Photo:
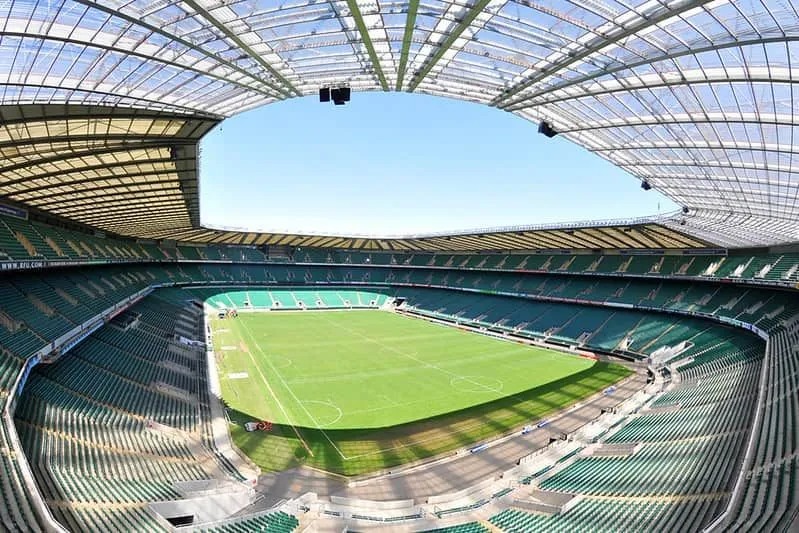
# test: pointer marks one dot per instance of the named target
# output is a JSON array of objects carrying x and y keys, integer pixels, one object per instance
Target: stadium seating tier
[{"x": 64, "y": 414}]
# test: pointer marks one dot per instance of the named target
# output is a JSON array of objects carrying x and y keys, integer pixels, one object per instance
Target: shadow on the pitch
[{"x": 390, "y": 446}]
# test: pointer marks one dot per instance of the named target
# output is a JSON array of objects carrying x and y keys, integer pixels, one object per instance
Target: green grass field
[{"x": 358, "y": 391}]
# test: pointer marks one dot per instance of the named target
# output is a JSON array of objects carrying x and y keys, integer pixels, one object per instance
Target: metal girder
[
  {"x": 632, "y": 66},
  {"x": 646, "y": 87},
  {"x": 127, "y": 230},
  {"x": 155, "y": 211},
  {"x": 149, "y": 103},
  {"x": 694, "y": 145},
  {"x": 78, "y": 170},
  {"x": 131, "y": 53},
  {"x": 188, "y": 44},
  {"x": 657, "y": 121},
  {"x": 100, "y": 137},
  {"x": 106, "y": 203},
  {"x": 456, "y": 32},
  {"x": 571, "y": 57},
  {"x": 407, "y": 37},
  {"x": 67, "y": 155},
  {"x": 287, "y": 88},
  {"x": 176, "y": 234},
  {"x": 55, "y": 195},
  {"x": 367, "y": 42},
  {"x": 707, "y": 164}
]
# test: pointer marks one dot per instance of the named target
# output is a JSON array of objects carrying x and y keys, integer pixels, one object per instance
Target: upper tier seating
[{"x": 41, "y": 241}]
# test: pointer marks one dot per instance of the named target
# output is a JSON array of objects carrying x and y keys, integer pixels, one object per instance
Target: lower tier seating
[
  {"x": 86, "y": 421},
  {"x": 470, "y": 527},
  {"x": 687, "y": 458},
  {"x": 771, "y": 482},
  {"x": 277, "y": 522},
  {"x": 609, "y": 516}
]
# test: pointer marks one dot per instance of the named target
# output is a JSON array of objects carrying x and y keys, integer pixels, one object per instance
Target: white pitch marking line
[
  {"x": 366, "y": 374},
  {"x": 297, "y": 400},
  {"x": 453, "y": 383},
  {"x": 329, "y": 404},
  {"x": 394, "y": 405},
  {"x": 412, "y": 358},
  {"x": 266, "y": 382}
]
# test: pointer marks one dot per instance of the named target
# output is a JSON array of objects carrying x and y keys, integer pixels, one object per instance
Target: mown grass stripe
[{"x": 406, "y": 389}]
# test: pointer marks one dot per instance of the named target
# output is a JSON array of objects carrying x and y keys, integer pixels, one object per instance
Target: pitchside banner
[
  {"x": 28, "y": 265},
  {"x": 13, "y": 211},
  {"x": 22, "y": 265}
]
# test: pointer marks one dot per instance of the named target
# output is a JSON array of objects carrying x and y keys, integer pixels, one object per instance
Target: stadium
[{"x": 638, "y": 374}]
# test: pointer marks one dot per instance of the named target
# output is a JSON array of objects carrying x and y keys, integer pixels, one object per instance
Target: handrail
[{"x": 737, "y": 492}]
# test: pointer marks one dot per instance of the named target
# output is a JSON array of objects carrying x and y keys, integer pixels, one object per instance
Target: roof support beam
[
  {"x": 109, "y": 149},
  {"x": 221, "y": 238},
  {"x": 709, "y": 164},
  {"x": 598, "y": 73},
  {"x": 410, "y": 23},
  {"x": 178, "y": 234},
  {"x": 287, "y": 88},
  {"x": 665, "y": 121},
  {"x": 697, "y": 145},
  {"x": 122, "y": 51},
  {"x": 155, "y": 29},
  {"x": 82, "y": 191},
  {"x": 130, "y": 212},
  {"x": 367, "y": 42},
  {"x": 453, "y": 36},
  {"x": 147, "y": 102},
  {"x": 102, "y": 113},
  {"x": 106, "y": 203},
  {"x": 639, "y": 86},
  {"x": 125, "y": 227},
  {"x": 570, "y": 58},
  {"x": 65, "y": 173}
]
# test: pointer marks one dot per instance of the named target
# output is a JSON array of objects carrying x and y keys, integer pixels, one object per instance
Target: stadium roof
[
  {"x": 649, "y": 233},
  {"x": 694, "y": 97},
  {"x": 122, "y": 170}
]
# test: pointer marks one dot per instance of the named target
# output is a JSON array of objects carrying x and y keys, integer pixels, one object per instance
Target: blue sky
[{"x": 401, "y": 163}]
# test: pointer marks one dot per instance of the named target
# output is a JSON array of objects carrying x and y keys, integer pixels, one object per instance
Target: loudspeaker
[
  {"x": 324, "y": 94},
  {"x": 685, "y": 210},
  {"x": 645, "y": 185},
  {"x": 336, "y": 96},
  {"x": 345, "y": 93},
  {"x": 545, "y": 128}
]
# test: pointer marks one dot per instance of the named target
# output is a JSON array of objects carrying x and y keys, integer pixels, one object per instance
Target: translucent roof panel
[{"x": 694, "y": 97}]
